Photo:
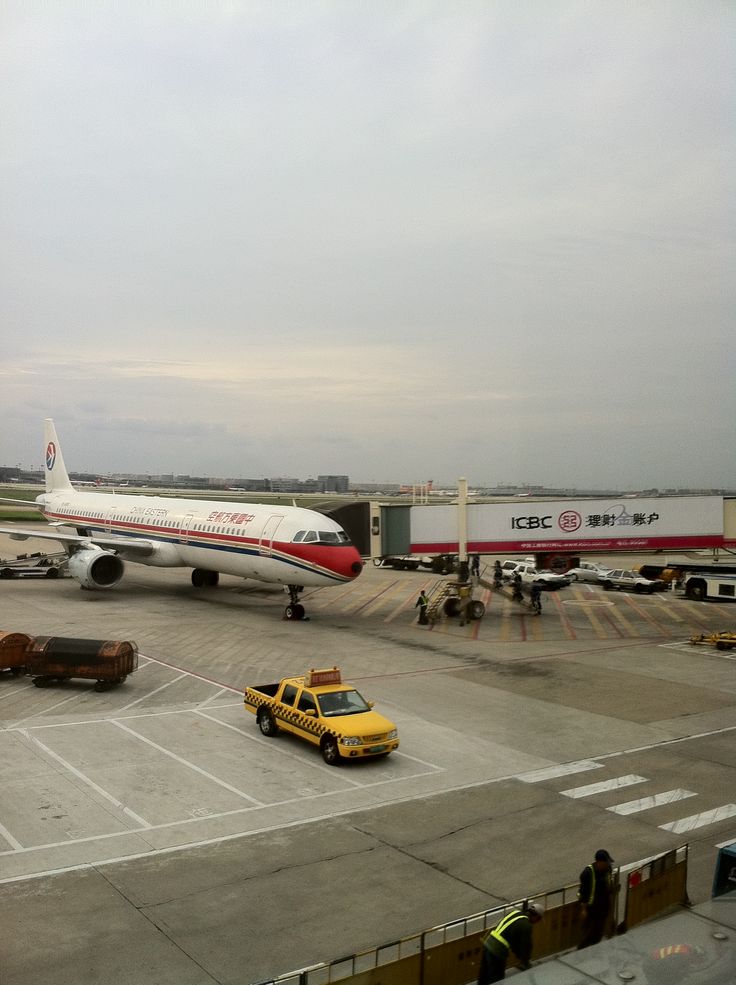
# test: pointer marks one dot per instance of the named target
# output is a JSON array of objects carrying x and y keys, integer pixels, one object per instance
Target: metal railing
[{"x": 449, "y": 954}]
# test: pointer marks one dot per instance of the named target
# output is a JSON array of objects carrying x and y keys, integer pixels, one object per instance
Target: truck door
[{"x": 267, "y": 534}]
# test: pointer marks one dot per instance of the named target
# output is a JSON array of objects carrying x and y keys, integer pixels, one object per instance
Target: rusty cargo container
[
  {"x": 14, "y": 648},
  {"x": 59, "y": 658}
]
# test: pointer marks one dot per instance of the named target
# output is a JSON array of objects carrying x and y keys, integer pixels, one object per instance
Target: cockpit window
[{"x": 323, "y": 536}]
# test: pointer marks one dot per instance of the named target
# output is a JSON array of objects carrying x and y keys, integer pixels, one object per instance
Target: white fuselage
[{"x": 275, "y": 543}]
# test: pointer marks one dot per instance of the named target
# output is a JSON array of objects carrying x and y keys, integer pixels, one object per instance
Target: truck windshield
[{"x": 342, "y": 703}]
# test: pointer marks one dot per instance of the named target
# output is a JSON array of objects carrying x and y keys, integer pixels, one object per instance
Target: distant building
[{"x": 334, "y": 483}]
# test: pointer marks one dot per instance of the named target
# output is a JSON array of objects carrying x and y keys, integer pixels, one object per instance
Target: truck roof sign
[{"x": 330, "y": 676}]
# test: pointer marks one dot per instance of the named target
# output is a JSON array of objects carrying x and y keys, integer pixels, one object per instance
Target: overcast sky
[{"x": 394, "y": 240}]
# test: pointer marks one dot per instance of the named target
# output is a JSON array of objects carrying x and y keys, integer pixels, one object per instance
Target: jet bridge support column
[{"x": 462, "y": 528}]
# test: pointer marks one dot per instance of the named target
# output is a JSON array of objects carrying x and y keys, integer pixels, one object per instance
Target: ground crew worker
[
  {"x": 513, "y": 933},
  {"x": 596, "y": 896},
  {"x": 422, "y": 602},
  {"x": 497, "y": 574},
  {"x": 475, "y": 565},
  {"x": 535, "y": 598},
  {"x": 516, "y": 593}
]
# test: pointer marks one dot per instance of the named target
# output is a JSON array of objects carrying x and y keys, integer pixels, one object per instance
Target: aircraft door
[
  {"x": 267, "y": 534},
  {"x": 184, "y": 528}
]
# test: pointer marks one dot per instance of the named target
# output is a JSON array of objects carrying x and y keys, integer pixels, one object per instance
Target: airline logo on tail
[{"x": 50, "y": 455}]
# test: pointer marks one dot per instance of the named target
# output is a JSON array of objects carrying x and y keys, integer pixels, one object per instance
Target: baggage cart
[
  {"x": 58, "y": 658},
  {"x": 14, "y": 649}
]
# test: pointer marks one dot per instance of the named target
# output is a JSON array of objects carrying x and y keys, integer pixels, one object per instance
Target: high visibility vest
[
  {"x": 498, "y": 931},
  {"x": 592, "y": 885}
]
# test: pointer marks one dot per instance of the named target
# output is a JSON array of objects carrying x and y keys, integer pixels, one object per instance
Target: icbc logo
[
  {"x": 531, "y": 522},
  {"x": 569, "y": 521}
]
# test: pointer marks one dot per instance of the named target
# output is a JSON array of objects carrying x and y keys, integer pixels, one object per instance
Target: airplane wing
[
  {"x": 28, "y": 503},
  {"x": 132, "y": 546}
]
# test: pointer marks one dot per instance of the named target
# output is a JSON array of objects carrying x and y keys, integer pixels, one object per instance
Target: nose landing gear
[{"x": 294, "y": 610}]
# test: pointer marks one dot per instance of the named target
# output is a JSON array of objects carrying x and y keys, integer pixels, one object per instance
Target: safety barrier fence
[{"x": 450, "y": 954}]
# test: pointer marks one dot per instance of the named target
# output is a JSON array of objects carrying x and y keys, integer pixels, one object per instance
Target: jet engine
[{"x": 95, "y": 568}]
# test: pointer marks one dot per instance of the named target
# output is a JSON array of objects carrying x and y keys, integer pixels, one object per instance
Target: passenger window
[
  {"x": 289, "y": 695},
  {"x": 307, "y": 702}
]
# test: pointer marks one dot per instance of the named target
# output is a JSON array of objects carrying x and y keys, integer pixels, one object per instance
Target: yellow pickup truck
[{"x": 318, "y": 707}]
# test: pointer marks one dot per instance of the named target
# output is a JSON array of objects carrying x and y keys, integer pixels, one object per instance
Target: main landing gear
[{"x": 294, "y": 610}]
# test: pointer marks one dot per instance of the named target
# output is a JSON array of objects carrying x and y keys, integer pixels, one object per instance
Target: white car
[
  {"x": 546, "y": 580},
  {"x": 586, "y": 571},
  {"x": 622, "y": 579}
]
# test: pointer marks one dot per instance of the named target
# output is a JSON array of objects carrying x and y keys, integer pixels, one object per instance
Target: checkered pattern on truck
[
  {"x": 285, "y": 713},
  {"x": 254, "y": 700}
]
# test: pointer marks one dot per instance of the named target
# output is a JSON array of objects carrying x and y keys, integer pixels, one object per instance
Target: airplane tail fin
[{"x": 57, "y": 479}]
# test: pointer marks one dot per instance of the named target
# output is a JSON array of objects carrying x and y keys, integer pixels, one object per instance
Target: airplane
[{"x": 285, "y": 545}]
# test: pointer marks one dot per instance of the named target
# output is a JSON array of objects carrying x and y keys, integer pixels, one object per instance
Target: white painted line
[
  {"x": 85, "y": 779},
  {"x": 727, "y": 844},
  {"x": 44, "y": 711},
  {"x": 700, "y": 820},
  {"x": 199, "y": 677},
  {"x": 185, "y": 762},
  {"x": 552, "y": 772},
  {"x": 127, "y": 718},
  {"x": 151, "y": 693},
  {"x": 14, "y": 692},
  {"x": 647, "y": 803},
  {"x": 603, "y": 786},
  {"x": 9, "y": 838},
  {"x": 212, "y": 697}
]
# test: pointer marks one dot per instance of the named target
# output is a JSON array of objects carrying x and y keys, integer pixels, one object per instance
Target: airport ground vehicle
[
  {"x": 704, "y": 586},
  {"x": 56, "y": 658},
  {"x": 320, "y": 708},
  {"x": 33, "y": 566},
  {"x": 622, "y": 578},
  {"x": 721, "y": 641},
  {"x": 586, "y": 571},
  {"x": 547, "y": 580},
  {"x": 406, "y": 562}
]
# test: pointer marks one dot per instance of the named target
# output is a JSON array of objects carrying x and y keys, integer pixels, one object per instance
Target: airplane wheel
[
  {"x": 198, "y": 578},
  {"x": 294, "y": 610},
  {"x": 212, "y": 578}
]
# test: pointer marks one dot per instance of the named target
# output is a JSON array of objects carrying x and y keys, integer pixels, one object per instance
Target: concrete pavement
[{"x": 151, "y": 834}]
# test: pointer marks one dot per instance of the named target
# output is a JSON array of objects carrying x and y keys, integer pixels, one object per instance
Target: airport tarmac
[{"x": 150, "y": 833}]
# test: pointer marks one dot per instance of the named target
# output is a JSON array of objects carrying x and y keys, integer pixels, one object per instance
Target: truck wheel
[
  {"x": 6, "y": 572},
  {"x": 695, "y": 589},
  {"x": 330, "y": 750},
  {"x": 266, "y": 723},
  {"x": 476, "y": 609},
  {"x": 607, "y": 586},
  {"x": 52, "y": 573}
]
